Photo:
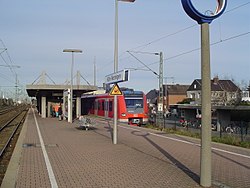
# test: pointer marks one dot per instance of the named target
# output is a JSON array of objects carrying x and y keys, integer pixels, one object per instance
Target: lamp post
[
  {"x": 204, "y": 20},
  {"x": 70, "y": 112},
  {"x": 116, "y": 66}
]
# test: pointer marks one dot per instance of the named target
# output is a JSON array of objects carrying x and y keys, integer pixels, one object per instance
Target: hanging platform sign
[
  {"x": 115, "y": 90},
  {"x": 120, "y": 76}
]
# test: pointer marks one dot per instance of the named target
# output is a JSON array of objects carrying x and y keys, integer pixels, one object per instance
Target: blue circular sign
[{"x": 204, "y": 18}]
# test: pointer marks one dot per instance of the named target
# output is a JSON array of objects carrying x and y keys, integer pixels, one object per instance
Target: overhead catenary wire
[
  {"x": 235, "y": 8},
  {"x": 163, "y": 37},
  {"x": 180, "y": 31},
  {"x": 151, "y": 42},
  {"x": 197, "y": 49},
  {"x": 184, "y": 29},
  {"x": 189, "y": 51},
  {"x": 6, "y": 78},
  {"x": 9, "y": 62}
]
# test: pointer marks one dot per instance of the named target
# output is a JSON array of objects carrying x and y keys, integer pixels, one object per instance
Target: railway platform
[{"x": 52, "y": 153}]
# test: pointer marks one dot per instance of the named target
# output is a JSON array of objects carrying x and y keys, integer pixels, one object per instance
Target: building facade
[{"x": 223, "y": 92}]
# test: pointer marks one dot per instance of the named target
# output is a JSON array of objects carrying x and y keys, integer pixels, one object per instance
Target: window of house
[
  {"x": 193, "y": 95},
  {"x": 233, "y": 95},
  {"x": 245, "y": 94}
]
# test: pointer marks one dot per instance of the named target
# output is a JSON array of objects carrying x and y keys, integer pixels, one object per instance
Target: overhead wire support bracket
[{"x": 144, "y": 63}]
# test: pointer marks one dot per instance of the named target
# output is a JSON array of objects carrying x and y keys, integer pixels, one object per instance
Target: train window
[
  {"x": 110, "y": 105},
  {"x": 107, "y": 105},
  {"x": 134, "y": 103},
  {"x": 102, "y": 105}
]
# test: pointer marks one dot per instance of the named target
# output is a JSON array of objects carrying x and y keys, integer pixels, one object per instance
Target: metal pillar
[{"x": 160, "y": 101}]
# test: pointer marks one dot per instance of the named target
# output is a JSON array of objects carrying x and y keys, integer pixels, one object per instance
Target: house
[
  {"x": 172, "y": 94},
  {"x": 175, "y": 93},
  {"x": 223, "y": 92},
  {"x": 245, "y": 96},
  {"x": 152, "y": 96}
]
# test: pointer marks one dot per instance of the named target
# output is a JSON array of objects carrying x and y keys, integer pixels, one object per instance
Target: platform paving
[{"x": 82, "y": 158}]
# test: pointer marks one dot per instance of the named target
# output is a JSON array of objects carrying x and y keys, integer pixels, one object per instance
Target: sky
[{"x": 36, "y": 32}]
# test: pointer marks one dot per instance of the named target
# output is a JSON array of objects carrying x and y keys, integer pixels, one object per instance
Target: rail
[
  {"x": 8, "y": 130},
  {"x": 6, "y": 110}
]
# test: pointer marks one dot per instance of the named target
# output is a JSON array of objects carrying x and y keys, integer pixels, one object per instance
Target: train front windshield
[{"x": 134, "y": 101}]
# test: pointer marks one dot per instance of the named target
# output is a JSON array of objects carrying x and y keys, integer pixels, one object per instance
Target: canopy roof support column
[
  {"x": 43, "y": 107},
  {"x": 78, "y": 107}
]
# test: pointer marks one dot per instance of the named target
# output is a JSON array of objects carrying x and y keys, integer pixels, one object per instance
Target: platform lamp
[
  {"x": 70, "y": 112},
  {"x": 116, "y": 64}
]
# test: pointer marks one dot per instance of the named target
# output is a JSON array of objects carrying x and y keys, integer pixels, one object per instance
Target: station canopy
[{"x": 47, "y": 90}]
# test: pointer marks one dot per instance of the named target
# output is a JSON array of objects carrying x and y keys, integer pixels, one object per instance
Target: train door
[
  {"x": 101, "y": 107},
  {"x": 96, "y": 107},
  {"x": 110, "y": 109},
  {"x": 106, "y": 107}
]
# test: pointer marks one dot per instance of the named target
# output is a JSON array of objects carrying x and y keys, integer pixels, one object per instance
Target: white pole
[
  {"x": 115, "y": 70},
  {"x": 70, "y": 110},
  {"x": 70, "y": 120}
]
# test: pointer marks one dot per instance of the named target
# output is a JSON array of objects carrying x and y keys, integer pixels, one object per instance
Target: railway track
[
  {"x": 10, "y": 127},
  {"x": 7, "y": 113},
  {"x": 5, "y": 110}
]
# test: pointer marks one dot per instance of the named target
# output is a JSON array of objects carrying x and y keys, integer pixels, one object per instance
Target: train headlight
[{"x": 123, "y": 114}]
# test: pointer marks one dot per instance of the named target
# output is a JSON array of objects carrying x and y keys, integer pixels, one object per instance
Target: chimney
[{"x": 216, "y": 80}]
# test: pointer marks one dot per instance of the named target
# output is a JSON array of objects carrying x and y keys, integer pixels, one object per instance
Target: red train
[{"x": 131, "y": 108}]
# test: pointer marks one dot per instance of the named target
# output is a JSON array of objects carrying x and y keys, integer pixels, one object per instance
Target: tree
[{"x": 186, "y": 101}]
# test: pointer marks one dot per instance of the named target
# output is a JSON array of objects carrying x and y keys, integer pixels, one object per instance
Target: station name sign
[{"x": 120, "y": 76}]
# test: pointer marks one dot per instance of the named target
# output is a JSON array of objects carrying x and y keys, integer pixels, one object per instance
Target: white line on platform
[
  {"x": 190, "y": 143},
  {"x": 46, "y": 158}
]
